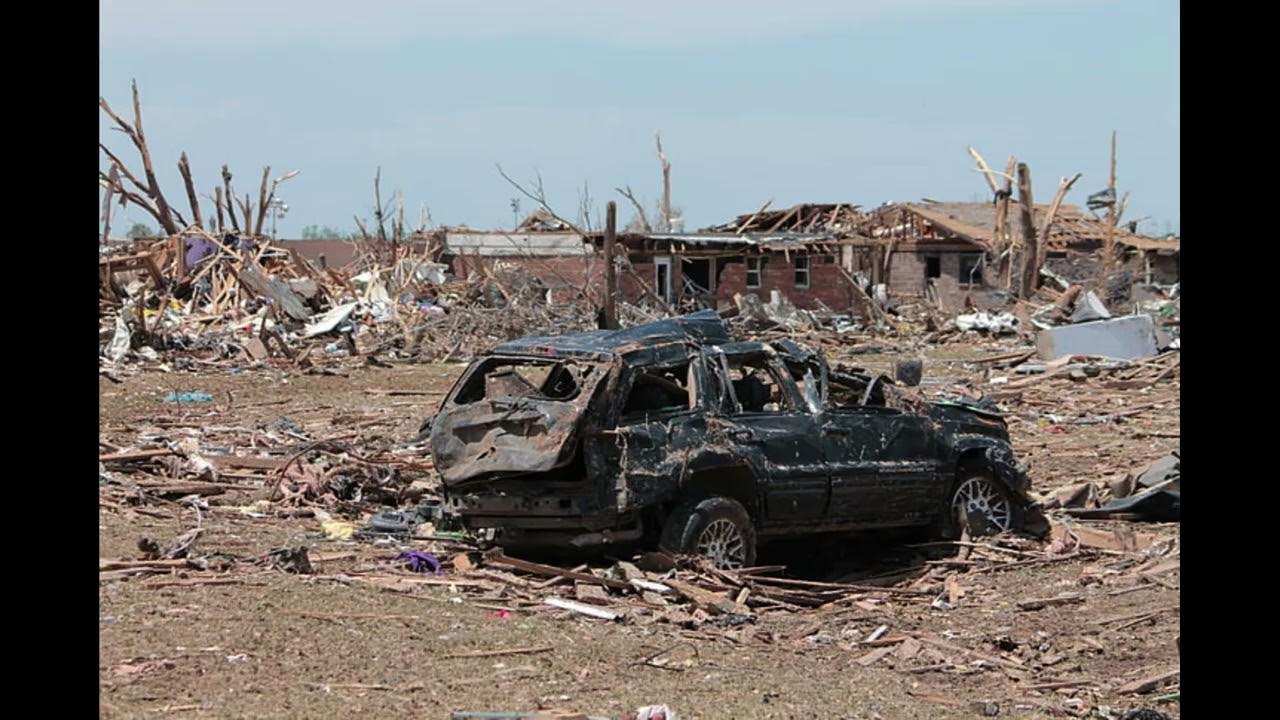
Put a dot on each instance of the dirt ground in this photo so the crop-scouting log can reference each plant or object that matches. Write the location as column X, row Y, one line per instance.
column 269, row 644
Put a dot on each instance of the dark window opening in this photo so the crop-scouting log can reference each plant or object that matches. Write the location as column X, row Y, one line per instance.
column 970, row 269
column 932, row 266
column 658, row 390
column 697, row 276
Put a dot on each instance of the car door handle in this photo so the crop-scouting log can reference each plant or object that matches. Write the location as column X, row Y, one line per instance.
column 742, row 435
column 837, row 431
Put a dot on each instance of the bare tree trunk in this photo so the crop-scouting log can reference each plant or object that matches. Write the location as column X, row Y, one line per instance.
column 184, row 167
column 262, row 202
column 1002, row 222
column 610, row 277
column 377, row 211
column 217, row 201
column 1029, row 251
column 398, row 230
column 1109, row 247
column 231, row 211
column 666, row 185
column 114, row 178
column 246, row 208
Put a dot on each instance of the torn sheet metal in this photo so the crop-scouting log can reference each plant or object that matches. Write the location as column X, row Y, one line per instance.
column 329, row 321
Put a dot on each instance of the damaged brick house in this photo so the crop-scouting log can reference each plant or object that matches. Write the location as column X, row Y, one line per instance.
column 806, row 253
column 941, row 250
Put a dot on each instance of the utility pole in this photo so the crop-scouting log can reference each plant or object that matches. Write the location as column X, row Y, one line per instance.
column 610, row 278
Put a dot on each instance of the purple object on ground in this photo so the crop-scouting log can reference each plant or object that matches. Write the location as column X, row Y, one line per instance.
column 421, row 561
column 197, row 249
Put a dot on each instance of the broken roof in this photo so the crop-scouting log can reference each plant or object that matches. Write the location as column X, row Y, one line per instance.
column 975, row 221
column 802, row 218
column 724, row 243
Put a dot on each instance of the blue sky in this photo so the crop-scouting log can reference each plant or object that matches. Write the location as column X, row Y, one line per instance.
column 862, row 101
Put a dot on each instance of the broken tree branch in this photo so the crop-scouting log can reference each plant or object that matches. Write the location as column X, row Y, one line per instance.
column 184, row 167
column 1063, row 187
column 644, row 221
column 986, row 171
column 231, row 211
column 540, row 198
column 138, row 136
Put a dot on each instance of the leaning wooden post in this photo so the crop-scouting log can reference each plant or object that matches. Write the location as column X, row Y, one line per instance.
column 610, row 272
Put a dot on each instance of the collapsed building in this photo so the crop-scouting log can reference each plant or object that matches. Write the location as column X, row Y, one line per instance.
column 818, row 256
column 942, row 250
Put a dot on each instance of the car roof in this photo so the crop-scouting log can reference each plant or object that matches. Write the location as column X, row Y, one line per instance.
column 703, row 327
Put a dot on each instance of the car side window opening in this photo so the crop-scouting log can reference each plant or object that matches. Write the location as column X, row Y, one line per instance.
column 756, row 386
column 808, row 377
column 661, row 390
column 508, row 378
column 854, row 388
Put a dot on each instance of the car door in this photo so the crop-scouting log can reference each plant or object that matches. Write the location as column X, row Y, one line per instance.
column 781, row 442
column 883, row 463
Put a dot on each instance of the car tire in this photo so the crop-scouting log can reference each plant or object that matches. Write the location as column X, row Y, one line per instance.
column 992, row 507
column 716, row 528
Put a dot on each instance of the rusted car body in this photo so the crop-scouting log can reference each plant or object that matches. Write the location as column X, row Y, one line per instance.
column 674, row 433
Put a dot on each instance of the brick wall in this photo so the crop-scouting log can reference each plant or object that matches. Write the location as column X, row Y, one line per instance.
column 907, row 276
column 826, row 284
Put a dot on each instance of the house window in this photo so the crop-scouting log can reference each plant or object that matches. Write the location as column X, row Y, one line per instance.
column 970, row 269
column 753, row 271
column 932, row 266
column 802, row 272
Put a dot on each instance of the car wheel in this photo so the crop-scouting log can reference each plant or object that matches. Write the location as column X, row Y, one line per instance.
column 984, row 504
column 716, row 528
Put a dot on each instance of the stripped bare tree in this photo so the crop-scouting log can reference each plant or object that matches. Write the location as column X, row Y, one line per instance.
column 151, row 200
column 665, row 224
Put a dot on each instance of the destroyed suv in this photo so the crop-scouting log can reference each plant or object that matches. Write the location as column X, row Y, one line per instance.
column 675, row 435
